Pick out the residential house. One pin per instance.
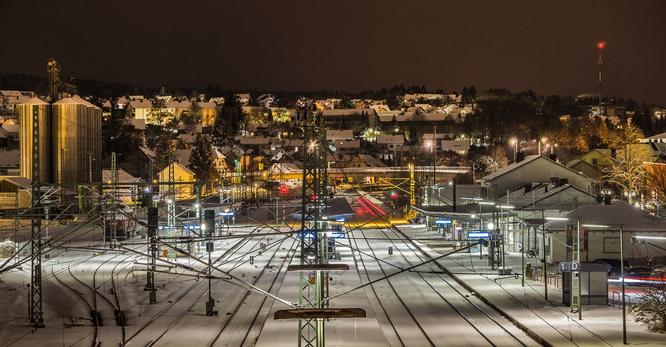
(182, 174)
(125, 193)
(15, 193)
(594, 163)
(9, 162)
(533, 169)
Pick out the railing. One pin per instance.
(616, 299)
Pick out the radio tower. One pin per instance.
(601, 45)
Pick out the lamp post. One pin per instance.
(624, 306)
(522, 255)
(514, 142)
(543, 140)
(545, 272)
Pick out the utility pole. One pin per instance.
(313, 305)
(209, 223)
(114, 196)
(171, 200)
(152, 250)
(313, 284)
(36, 309)
(545, 265)
(434, 161)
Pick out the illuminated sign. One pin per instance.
(478, 234)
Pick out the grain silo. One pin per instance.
(26, 111)
(77, 142)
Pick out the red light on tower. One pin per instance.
(601, 44)
(284, 190)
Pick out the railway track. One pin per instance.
(244, 300)
(472, 312)
(404, 333)
(225, 258)
(538, 296)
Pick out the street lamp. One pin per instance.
(624, 306)
(514, 142)
(543, 140)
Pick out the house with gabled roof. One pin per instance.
(534, 169)
(181, 174)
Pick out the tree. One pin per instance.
(227, 121)
(158, 113)
(655, 182)
(468, 95)
(193, 115)
(651, 309)
(603, 133)
(202, 161)
(628, 171)
(162, 151)
(498, 154)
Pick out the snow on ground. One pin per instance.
(415, 308)
(601, 325)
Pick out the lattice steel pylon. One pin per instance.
(114, 180)
(171, 201)
(313, 286)
(36, 309)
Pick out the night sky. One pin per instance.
(548, 46)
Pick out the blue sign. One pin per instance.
(443, 221)
(478, 234)
(337, 235)
(308, 234)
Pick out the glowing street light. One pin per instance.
(514, 142)
(543, 140)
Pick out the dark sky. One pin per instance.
(548, 46)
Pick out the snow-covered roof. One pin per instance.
(339, 134)
(123, 176)
(148, 152)
(534, 194)
(618, 213)
(75, 100)
(140, 103)
(9, 158)
(511, 167)
(11, 128)
(391, 139)
(35, 101)
(18, 181)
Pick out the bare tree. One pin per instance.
(628, 170)
(651, 309)
(655, 182)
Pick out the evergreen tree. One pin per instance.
(228, 121)
(202, 161)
